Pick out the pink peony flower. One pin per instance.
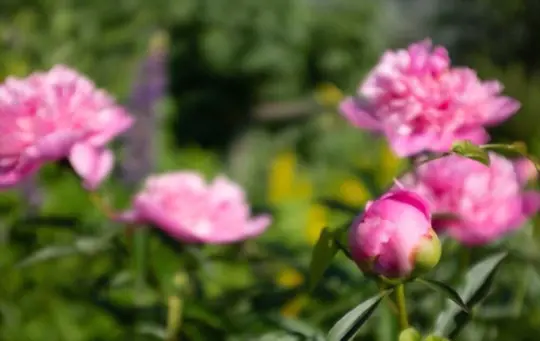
(488, 202)
(187, 208)
(420, 103)
(394, 236)
(54, 115)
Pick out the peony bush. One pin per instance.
(459, 186)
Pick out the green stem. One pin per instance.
(402, 308)
(140, 295)
(175, 307)
(139, 250)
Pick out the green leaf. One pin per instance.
(478, 282)
(339, 206)
(47, 254)
(513, 149)
(435, 338)
(324, 251)
(298, 327)
(83, 245)
(446, 290)
(471, 151)
(347, 327)
(341, 238)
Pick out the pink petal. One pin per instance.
(91, 164)
(531, 203)
(502, 109)
(354, 112)
(154, 214)
(53, 146)
(120, 122)
(476, 136)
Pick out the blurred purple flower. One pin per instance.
(148, 89)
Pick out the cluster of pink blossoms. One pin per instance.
(55, 115)
(488, 202)
(60, 114)
(420, 103)
(186, 207)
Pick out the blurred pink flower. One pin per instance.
(525, 170)
(390, 235)
(420, 103)
(184, 206)
(488, 202)
(54, 115)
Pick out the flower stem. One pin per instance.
(402, 309)
(175, 307)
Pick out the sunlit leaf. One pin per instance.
(471, 151)
(347, 327)
(477, 284)
(323, 253)
(512, 149)
(446, 290)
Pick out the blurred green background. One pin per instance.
(251, 92)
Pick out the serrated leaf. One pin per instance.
(471, 151)
(446, 290)
(323, 253)
(478, 282)
(347, 327)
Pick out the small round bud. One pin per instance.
(410, 334)
(427, 255)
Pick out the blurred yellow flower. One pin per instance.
(353, 192)
(285, 183)
(316, 220)
(303, 188)
(294, 307)
(290, 278)
(281, 177)
(328, 94)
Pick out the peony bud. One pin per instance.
(410, 334)
(394, 237)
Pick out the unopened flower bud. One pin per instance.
(410, 334)
(394, 238)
